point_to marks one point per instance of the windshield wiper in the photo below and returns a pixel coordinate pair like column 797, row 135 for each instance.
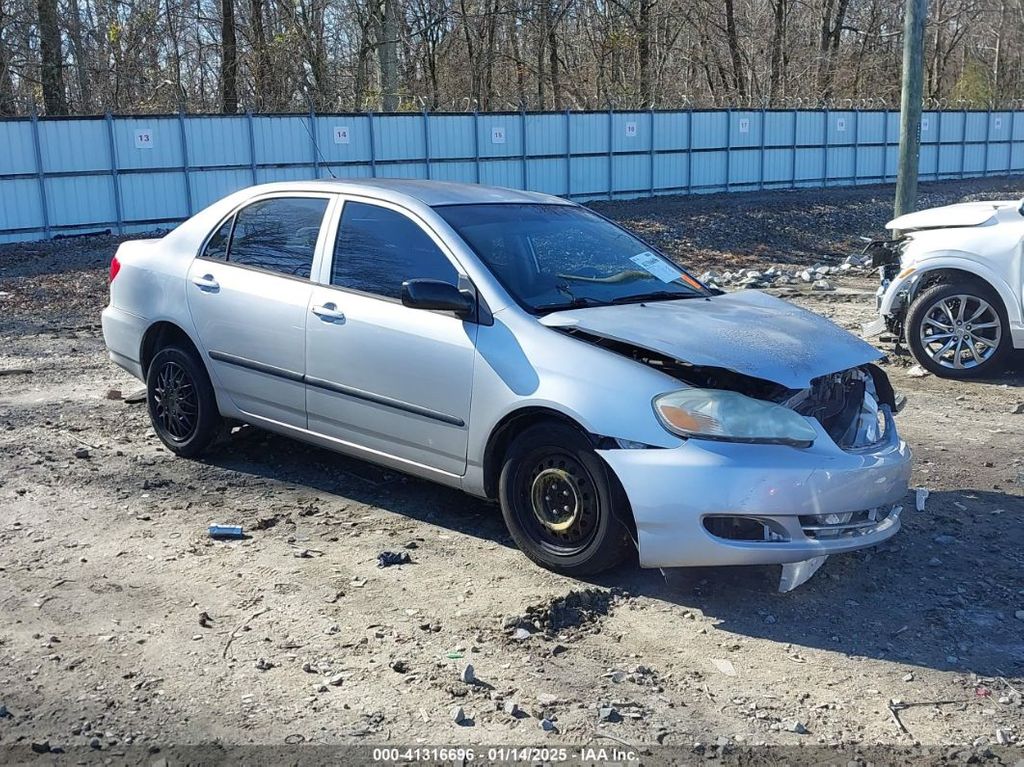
column 656, row 295
column 579, row 302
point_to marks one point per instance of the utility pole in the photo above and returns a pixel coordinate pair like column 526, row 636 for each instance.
column 914, row 15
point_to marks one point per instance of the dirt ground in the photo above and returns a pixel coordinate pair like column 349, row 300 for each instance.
column 124, row 629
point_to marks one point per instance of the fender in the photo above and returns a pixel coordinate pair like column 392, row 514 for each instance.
column 951, row 259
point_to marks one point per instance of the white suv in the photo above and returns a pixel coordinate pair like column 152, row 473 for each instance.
column 953, row 286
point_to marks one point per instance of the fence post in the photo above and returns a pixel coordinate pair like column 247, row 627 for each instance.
column 611, row 159
column 568, row 155
column 689, row 151
column 760, row 156
column 650, row 116
column 1009, row 153
column 856, row 143
column 522, row 141
column 728, row 147
column 938, row 144
column 885, row 146
column 988, row 134
column 963, row 146
column 792, row 159
column 252, row 146
column 373, row 147
column 113, row 173
column 185, row 160
column 476, row 144
column 824, row 151
column 426, row 141
column 313, row 143
column 41, row 176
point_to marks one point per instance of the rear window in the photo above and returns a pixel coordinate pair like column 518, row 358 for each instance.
column 277, row 235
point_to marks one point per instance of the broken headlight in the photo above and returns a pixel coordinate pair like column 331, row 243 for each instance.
column 731, row 417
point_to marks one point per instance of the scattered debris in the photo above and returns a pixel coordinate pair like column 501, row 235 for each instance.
column 578, row 609
column 336, row 681
column 917, row 371
column 547, row 725
column 225, row 531
column 264, row 665
column 608, row 714
column 920, row 498
column 242, row 625
column 458, row 715
column 113, row 394
column 468, row 674
column 795, row 574
column 725, row 666
column 798, row 727
column 82, row 452
column 512, row 709
column 389, row 558
column 520, row 634
column 205, row 620
column 1017, row 409
column 136, row 398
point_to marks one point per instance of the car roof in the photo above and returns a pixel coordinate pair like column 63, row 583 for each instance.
column 431, row 193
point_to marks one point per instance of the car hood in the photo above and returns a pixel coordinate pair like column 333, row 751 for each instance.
column 748, row 332
column 962, row 214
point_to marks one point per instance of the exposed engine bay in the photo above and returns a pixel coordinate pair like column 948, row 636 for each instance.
column 848, row 404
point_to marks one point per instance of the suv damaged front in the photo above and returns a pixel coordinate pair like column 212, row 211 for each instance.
column 783, row 459
column 927, row 244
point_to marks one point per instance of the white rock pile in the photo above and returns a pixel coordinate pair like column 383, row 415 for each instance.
column 773, row 277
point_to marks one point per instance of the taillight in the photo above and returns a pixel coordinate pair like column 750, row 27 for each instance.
column 115, row 267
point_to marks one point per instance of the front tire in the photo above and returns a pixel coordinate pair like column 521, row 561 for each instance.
column 959, row 330
column 181, row 401
column 561, row 503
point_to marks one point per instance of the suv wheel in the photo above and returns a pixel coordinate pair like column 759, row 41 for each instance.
column 959, row 330
column 182, row 405
column 561, row 503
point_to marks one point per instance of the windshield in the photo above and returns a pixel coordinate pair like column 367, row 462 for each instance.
column 552, row 257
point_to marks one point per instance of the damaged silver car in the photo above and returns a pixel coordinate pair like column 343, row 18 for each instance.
column 522, row 348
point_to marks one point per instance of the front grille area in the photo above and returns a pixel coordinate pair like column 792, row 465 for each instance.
column 848, row 407
column 846, row 525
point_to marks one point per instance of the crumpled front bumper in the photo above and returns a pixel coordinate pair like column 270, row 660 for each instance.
column 673, row 491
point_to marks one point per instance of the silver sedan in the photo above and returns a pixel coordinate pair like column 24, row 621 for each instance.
column 522, row 348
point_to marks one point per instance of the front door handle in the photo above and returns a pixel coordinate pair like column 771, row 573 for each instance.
column 329, row 313
column 206, row 283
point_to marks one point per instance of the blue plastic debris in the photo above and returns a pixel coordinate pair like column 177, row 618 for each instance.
column 226, row 531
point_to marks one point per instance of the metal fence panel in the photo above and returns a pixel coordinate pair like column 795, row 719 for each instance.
column 127, row 174
column 19, row 154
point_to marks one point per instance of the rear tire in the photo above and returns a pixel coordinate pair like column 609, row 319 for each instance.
column 561, row 503
column 182, row 404
column 959, row 330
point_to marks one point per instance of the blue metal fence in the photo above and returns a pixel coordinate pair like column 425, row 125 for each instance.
column 128, row 174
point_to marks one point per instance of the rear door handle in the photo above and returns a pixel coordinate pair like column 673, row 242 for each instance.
column 329, row 313
column 207, row 283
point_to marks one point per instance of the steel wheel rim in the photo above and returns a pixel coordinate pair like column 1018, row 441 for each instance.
column 960, row 332
column 175, row 402
column 558, row 504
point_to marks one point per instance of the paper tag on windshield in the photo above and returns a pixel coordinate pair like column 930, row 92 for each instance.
column 659, row 267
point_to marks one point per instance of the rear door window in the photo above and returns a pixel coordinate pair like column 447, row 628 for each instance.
column 277, row 235
column 217, row 245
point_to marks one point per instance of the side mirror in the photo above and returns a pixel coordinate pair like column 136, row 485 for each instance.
column 437, row 295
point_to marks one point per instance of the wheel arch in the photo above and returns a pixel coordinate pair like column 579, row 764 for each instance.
column 160, row 334
column 952, row 269
column 514, row 423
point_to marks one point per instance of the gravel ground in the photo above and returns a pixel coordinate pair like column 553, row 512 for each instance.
column 124, row 629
